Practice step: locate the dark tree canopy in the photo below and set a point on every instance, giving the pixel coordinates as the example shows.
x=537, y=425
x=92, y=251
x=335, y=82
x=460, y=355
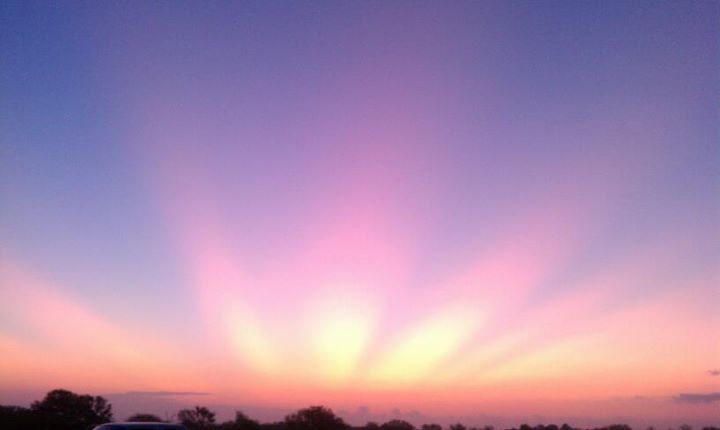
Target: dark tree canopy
x=199, y=418
x=17, y=418
x=397, y=425
x=65, y=409
x=315, y=418
x=372, y=425
x=241, y=422
x=144, y=418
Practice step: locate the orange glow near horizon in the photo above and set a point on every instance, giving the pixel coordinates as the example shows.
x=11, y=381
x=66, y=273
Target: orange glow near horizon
x=454, y=210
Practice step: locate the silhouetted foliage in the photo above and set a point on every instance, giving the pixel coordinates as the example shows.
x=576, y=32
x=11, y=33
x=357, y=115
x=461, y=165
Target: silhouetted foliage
x=279, y=425
x=615, y=427
x=241, y=422
x=17, y=418
x=567, y=427
x=199, y=418
x=541, y=427
x=145, y=418
x=397, y=425
x=371, y=425
x=65, y=410
x=315, y=418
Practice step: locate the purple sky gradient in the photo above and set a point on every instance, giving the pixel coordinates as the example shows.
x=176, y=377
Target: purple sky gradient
x=360, y=203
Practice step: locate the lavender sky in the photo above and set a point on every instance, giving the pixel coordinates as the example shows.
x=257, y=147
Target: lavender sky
x=489, y=210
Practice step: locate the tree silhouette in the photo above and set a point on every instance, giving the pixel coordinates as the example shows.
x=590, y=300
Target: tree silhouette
x=17, y=418
x=241, y=422
x=144, y=418
x=64, y=409
x=397, y=425
x=277, y=425
x=315, y=418
x=616, y=427
x=199, y=418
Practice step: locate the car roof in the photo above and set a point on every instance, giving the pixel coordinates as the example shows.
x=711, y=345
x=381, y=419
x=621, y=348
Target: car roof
x=140, y=426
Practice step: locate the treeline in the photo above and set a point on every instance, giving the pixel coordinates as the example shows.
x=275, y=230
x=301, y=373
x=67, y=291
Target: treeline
x=65, y=410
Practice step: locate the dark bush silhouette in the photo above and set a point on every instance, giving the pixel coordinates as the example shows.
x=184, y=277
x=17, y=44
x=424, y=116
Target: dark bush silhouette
x=397, y=425
x=145, y=418
x=279, y=425
x=315, y=418
x=17, y=418
x=241, y=422
x=65, y=410
x=615, y=427
x=199, y=418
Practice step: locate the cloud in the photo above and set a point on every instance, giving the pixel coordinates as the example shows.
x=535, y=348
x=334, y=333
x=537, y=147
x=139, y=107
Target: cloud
x=714, y=372
x=697, y=398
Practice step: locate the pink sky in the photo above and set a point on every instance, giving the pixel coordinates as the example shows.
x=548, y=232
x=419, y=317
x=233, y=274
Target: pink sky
x=479, y=211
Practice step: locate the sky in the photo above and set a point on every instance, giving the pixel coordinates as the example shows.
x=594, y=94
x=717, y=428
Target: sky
x=490, y=210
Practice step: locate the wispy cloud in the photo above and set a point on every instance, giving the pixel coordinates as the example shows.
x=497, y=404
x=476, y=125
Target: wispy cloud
x=714, y=372
x=697, y=397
